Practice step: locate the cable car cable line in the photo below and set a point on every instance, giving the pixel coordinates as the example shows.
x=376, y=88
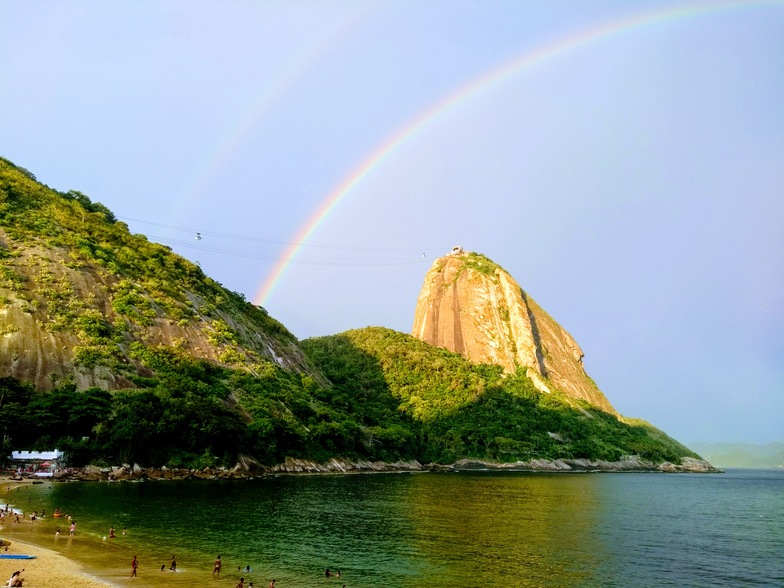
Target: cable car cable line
x=274, y=258
x=200, y=234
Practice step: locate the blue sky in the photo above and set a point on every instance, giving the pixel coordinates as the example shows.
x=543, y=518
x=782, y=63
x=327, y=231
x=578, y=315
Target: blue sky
x=632, y=182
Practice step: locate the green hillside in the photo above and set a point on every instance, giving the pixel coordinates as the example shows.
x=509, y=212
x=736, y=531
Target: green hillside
x=117, y=350
x=54, y=245
x=455, y=409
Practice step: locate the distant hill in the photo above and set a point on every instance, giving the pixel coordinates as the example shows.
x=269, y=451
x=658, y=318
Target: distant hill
x=742, y=455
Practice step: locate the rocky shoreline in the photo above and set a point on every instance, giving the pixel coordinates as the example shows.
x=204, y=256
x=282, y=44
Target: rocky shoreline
x=346, y=466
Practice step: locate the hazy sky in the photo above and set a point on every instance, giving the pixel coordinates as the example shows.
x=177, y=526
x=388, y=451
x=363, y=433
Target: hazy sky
x=624, y=161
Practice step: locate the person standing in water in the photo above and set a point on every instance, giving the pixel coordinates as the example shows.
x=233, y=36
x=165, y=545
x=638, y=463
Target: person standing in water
x=134, y=565
x=216, y=568
x=173, y=566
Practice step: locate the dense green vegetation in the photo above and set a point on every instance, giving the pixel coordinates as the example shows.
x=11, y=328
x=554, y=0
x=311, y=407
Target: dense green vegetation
x=392, y=397
x=460, y=410
x=367, y=394
x=145, y=281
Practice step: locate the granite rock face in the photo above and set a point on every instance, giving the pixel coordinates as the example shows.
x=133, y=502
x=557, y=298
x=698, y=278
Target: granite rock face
x=35, y=349
x=472, y=306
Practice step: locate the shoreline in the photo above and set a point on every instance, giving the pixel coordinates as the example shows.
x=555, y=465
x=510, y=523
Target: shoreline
x=54, y=567
x=49, y=569
x=86, y=559
x=291, y=466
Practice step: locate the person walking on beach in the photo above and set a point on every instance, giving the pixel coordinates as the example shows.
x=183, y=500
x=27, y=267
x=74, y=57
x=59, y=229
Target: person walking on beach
x=216, y=567
x=73, y=528
x=134, y=565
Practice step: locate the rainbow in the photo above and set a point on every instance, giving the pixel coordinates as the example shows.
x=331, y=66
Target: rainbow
x=526, y=61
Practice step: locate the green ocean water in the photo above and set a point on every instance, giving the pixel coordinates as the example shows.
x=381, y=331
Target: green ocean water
x=426, y=530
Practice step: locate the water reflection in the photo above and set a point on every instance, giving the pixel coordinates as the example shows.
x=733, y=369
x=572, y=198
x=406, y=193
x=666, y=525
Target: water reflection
x=507, y=529
x=423, y=530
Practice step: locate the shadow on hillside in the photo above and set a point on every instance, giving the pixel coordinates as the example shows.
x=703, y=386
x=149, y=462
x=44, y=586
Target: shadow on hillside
x=455, y=409
x=360, y=390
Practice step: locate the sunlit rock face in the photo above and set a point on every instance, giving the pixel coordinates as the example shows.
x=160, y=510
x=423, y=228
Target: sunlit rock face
x=472, y=306
x=34, y=349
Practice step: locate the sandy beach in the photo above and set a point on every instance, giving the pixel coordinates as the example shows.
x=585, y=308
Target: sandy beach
x=47, y=570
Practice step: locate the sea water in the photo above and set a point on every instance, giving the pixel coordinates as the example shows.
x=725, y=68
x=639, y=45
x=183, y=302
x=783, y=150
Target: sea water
x=426, y=530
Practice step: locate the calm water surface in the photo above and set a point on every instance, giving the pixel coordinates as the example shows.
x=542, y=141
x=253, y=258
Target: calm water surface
x=427, y=530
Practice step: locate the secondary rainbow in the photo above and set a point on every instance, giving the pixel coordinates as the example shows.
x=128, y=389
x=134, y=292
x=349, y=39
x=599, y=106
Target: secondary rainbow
x=519, y=64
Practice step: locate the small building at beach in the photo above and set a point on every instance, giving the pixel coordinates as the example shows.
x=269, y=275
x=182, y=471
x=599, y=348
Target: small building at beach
x=37, y=463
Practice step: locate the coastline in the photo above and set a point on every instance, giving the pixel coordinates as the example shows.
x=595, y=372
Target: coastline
x=347, y=466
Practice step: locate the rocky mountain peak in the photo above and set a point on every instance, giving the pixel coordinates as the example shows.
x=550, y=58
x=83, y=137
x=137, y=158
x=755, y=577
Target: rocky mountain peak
x=472, y=306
